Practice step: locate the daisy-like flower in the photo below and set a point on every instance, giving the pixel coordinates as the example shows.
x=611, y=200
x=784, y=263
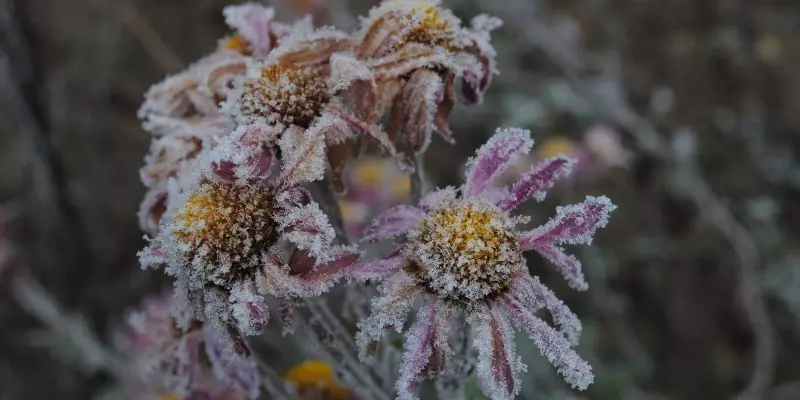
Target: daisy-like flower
x=461, y=256
x=231, y=238
x=182, y=112
x=416, y=49
x=312, y=83
x=176, y=356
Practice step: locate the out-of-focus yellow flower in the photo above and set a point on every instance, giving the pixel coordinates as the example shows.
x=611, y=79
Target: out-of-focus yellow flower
x=316, y=378
x=369, y=173
x=401, y=187
x=168, y=397
x=347, y=209
x=554, y=146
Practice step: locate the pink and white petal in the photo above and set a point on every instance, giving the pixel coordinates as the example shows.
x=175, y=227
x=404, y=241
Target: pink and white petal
x=552, y=344
x=253, y=21
x=307, y=227
x=446, y=103
x=436, y=197
x=573, y=224
x=394, y=222
x=239, y=372
x=494, y=157
x=322, y=276
x=498, y=365
x=424, y=350
x=152, y=256
x=248, y=308
x=567, y=264
x=534, y=295
x=375, y=269
x=537, y=181
x=398, y=294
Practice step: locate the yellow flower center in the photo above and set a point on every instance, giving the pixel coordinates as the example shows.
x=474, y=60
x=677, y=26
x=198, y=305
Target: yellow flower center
x=465, y=251
x=286, y=94
x=223, y=227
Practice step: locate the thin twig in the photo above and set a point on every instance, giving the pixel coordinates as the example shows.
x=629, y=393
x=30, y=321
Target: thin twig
x=572, y=63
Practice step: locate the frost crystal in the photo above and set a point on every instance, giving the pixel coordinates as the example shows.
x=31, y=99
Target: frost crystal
x=461, y=252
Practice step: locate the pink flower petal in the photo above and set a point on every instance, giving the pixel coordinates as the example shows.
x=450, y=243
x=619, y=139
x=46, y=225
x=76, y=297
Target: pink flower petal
x=375, y=269
x=254, y=22
x=329, y=272
x=248, y=308
x=422, y=346
x=552, y=344
x=239, y=372
x=537, y=181
x=394, y=222
x=494, y=157
x=498, y=363
x=534, y=295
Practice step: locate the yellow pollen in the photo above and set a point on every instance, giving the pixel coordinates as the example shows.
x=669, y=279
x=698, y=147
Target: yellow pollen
x=236, y=42
x=225, y=223
x=471, y=245
x=286, y=94
x=432, y=27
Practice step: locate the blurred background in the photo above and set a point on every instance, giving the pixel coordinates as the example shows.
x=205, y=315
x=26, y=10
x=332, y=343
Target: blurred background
x=686, y=113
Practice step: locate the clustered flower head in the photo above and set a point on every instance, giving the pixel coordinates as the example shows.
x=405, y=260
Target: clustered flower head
x=460, y=256
x=239, y=136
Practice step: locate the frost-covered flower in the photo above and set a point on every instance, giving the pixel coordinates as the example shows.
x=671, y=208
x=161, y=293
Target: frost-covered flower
x=311, y=82
x=182, y=111
x=461, y=256
x=231, y=238
x=177, y=356
x=416, y=49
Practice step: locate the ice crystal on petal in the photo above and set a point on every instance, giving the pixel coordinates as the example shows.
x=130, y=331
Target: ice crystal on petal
x=498, y=366
x=425, y=349
x=537, y=181
x=393, y=222
x=307, y=227
x=494, y=157
x=248, y=308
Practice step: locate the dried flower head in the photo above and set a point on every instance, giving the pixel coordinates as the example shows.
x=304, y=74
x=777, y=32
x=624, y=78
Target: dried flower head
x=182, y=111
x=416, y=49
x=176, y=356
x=461, y=255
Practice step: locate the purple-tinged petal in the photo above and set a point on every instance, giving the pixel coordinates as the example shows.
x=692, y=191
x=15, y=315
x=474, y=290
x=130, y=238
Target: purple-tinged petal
x=327, y=273
x=240, y=373
x=394, y=222
x=375, y=269
x=575, y=224
x=537, y=181
x=498, y=365
x=248, y=308
x=552, y=344
x=152, y=256
x=253, y=21
x=494, y=157
x=425, y=349
x=436, y=197
x=534, y=295
x=398, y=294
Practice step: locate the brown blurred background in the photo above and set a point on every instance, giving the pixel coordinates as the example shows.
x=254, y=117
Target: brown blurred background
x=691, y=290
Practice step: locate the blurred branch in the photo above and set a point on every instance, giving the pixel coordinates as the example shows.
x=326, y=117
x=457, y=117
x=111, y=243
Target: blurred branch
x=572, y=63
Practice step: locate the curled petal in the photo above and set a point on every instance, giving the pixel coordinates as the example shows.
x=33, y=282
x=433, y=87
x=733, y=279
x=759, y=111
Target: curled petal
x=382, y=34
x=303, y=48
x=409, y=58
x=248, y=308
x=445, y=107
x=375, y=269
x=574, y=224
x=153, y=207
x=152, y=256
x=414, y=110
x=377, y=134
x=553, y=345
x=253, y=21
x=394, y=222
x=498, y=363
x=534, y=295
x=307, y=227
x=425, y=349
x=494, y=157
x=537, y=181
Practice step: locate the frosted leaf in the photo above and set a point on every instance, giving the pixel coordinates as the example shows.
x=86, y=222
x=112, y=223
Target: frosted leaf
x=240, y=373
x=498, y=365
x=553, y=346
x=537, y=181
x=494, y=157
x=375, y=269
x=253, y=21
x=303, y=154
x=248, y=308
x=534, y=295
x=414, y=109
x=574, y=224
x=393, y=222
x=307, y=227
x=397, y=296
x=425, y=349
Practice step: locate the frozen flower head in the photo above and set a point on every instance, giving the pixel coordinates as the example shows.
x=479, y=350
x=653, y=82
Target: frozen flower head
x=461, y=255
x=182, y=112
x=416, y=49
x=232, y=237
x=176, y=356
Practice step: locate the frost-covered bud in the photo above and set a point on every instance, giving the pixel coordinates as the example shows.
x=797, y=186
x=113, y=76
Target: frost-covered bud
x=460, y=259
